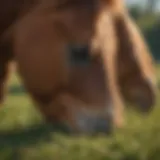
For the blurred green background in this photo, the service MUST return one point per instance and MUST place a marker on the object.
(24, 136)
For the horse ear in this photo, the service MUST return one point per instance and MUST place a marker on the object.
(116, 5)
(115, 2)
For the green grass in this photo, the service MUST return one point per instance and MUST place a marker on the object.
(138, 140)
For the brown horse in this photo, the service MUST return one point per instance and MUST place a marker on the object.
(136, 78)
(39, 39)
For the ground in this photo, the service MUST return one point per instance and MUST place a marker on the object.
(139, 140)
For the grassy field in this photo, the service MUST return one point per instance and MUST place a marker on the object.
(139, 140)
